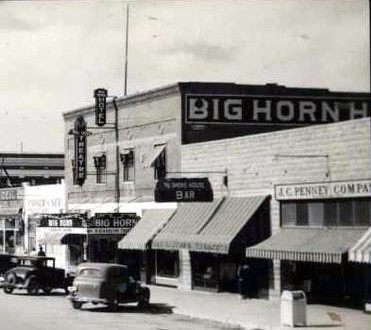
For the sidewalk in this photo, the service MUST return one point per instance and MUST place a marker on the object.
(253, 313)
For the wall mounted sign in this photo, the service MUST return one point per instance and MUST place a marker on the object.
(8, 194)
(219, 110)
(100, 96)
(184, 190)
(112, 223)
(80, 151)
(335, 189)
(63, 220)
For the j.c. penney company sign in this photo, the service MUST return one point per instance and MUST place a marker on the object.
(339, 189)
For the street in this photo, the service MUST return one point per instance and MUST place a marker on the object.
(54, 312)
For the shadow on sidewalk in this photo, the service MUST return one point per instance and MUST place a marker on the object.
(151, 309)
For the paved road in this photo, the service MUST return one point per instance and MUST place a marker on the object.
(19, 311)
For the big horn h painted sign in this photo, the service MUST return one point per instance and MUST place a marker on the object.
(80, 150)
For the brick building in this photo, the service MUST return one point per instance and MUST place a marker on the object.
(249, 141)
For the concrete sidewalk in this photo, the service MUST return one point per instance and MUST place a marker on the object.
(253, 313)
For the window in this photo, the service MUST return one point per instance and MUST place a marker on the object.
(167, 263)
(127, 160)
(160, 166)
(100, 167)
(345, 212)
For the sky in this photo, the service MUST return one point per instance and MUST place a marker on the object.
(53, 54)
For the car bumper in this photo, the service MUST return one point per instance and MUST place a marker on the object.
(75, 298)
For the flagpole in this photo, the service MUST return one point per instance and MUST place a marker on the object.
(126, 50)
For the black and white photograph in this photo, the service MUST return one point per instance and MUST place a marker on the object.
(185, 164)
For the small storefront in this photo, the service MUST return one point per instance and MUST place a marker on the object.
(104, 232)
(63, 237)
(209, 240)
(135, 248)
(320, 224)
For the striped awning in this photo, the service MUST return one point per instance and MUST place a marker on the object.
(188, 220)
(211, 228)
(151, 223)
(326, 245)
(361, 251)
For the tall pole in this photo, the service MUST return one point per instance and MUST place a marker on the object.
(126, 50)
(117, 174)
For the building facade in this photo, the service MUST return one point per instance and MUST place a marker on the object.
(247, 140)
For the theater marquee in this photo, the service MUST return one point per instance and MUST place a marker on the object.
(340, 189)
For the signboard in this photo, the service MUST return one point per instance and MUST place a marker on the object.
(337, 189)
(112, 223)
(212, 111)
(63, 220)
(8, 194)
(100, 96)
(80, 151)
(184, 190)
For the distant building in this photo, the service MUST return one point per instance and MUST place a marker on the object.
(34, 168)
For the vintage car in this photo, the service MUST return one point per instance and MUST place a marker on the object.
(105, 283)
(35, 273)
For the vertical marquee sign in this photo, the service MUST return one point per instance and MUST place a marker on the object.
(100, 95)
(80, 150)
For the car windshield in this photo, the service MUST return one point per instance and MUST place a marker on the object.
(91, 272)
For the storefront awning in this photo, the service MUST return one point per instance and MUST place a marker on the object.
(361, 251)
(155, 153)
(151, 223)
(189, 219)
(57, 236)
(307, 244)
(213, 231)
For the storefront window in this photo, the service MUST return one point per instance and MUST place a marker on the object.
(350, 212)
(167, 263)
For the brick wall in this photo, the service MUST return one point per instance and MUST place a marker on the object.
(143, 121)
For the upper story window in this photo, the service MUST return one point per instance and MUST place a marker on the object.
(159, 166)
(128, 164)
(100, 168)
(346, 212)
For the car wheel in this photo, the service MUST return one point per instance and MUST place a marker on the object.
(144, 298)
(33, 286)
(8, 290)
(47, 289)
(76, 304)
(114, 305)
(10, 279)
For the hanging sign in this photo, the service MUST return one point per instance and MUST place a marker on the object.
(80, 151)
(112, 223)
(100, 96)
(184, 190)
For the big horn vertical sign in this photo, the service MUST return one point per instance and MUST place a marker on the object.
(80, 150)
(100, 95)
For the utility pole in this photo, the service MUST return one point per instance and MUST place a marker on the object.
(126, 51)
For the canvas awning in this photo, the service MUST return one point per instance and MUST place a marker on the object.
(211, 228)
(361, 251)
(151, 223)
(155, 153)
(55, 235)
(189, 219)
(307, 244)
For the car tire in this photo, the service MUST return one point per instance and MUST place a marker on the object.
(10, 279)
(144, 298)
(47, 289)
(114, 305)
(33, 286)
(76, 304)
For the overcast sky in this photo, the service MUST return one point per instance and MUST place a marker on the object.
(53, 54)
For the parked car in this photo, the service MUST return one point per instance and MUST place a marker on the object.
(107, 284)
(35, 273)
(7, 261)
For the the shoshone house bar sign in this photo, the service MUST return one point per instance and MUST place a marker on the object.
(212, 111)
